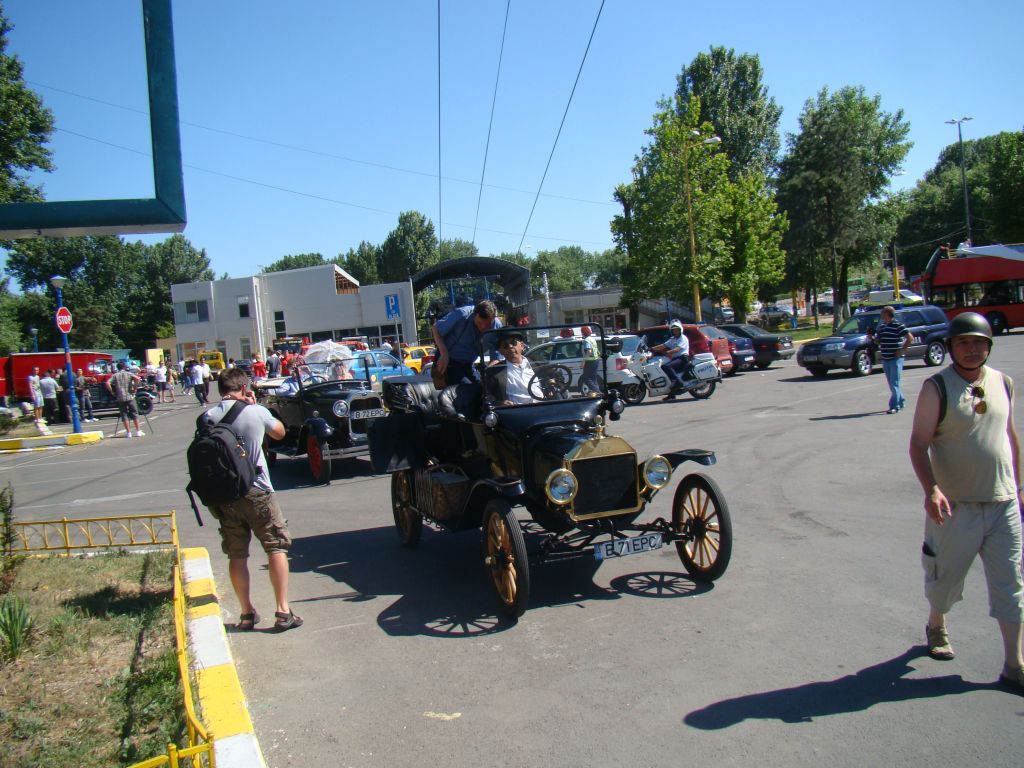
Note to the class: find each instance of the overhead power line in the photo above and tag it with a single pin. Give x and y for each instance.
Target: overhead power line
(560, 125)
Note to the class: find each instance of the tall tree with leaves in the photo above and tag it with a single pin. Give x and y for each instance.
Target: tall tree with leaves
(361, 262)
(736, 103)
(408, 248)
(25, 128)
(296, 261)
(836, 166)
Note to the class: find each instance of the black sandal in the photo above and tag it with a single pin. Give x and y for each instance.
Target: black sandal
(286, 621)
(247, 622)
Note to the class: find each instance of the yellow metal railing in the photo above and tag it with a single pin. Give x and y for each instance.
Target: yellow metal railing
(94, 533)
(48, 536)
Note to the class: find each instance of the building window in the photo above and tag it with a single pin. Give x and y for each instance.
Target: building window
(279, 326)
(191, 312)
(243, 306)
(246, 348)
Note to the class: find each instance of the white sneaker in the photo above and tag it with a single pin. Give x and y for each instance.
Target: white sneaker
(139, 433)
(128, 433)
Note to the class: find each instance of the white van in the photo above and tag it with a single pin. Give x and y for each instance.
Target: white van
(886, 296)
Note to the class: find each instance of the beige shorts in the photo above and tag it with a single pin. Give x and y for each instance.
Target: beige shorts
(990, 529)
(257, 513)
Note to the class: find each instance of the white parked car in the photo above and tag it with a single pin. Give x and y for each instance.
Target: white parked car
(569, 352)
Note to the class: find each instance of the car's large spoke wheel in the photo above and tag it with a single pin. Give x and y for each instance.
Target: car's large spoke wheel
(936, 353)
(701, 516)
(408, 522)
(704, 391)
(861, 363)
(319, 465)
(505, 558)
(634, 393)
(145, 405)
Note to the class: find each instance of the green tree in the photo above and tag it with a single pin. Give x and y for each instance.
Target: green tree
(297, 261)
(361, 262)
(458, 249)
(836, 166)
(679, 181)
(173, 261)
(408, 248)
(25, 128)
(1007, 188)
(736, 103)
(607, 268)
(12, 334)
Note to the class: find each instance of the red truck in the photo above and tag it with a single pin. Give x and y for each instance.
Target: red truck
(15, 370)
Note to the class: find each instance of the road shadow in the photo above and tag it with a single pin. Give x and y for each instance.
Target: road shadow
(843, 416)
(884, 682)
(442, 587)
(290, 473)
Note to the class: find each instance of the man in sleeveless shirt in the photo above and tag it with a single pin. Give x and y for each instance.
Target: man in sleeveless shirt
(966, 455)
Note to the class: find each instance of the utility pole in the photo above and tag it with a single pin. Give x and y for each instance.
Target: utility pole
(963, 173)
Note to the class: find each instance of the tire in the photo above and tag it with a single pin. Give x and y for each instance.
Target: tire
(818, 371)
(998, 322)
(145, 405)
(699, 511)
(319, 465)
(935, 353)
(704, 392)
(861, 363)
(505, 558)
(763, 364)
(408, 523)
(634, 394)
(271, 457)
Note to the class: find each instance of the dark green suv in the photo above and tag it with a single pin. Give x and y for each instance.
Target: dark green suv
(853, 348)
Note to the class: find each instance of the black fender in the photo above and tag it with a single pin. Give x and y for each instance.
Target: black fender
(699, 455)
(319, 427)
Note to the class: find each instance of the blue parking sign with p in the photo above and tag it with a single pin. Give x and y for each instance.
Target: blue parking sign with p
(391, 305)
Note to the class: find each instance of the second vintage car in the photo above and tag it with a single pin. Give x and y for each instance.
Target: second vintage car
(325, 412)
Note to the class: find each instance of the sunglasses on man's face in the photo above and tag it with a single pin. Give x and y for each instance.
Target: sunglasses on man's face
(977, 393)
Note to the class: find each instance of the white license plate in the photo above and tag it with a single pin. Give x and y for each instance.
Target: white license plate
(810, 358)
(645, 542)
(372, 413)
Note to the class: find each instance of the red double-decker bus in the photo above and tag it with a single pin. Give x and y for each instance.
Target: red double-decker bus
(987, 279)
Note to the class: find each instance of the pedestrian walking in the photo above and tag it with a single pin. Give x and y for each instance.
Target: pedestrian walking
(36, 391)
(48, 386)
(122, 386)
(82, 384)
(257, 513)
(160, 374)
(196, 375)
(966, 454)
(589, 378)
(893, 340)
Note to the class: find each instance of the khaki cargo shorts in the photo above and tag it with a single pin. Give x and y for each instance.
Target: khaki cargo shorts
(257, 513)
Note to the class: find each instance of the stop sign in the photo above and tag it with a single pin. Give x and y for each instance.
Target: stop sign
(64, 319)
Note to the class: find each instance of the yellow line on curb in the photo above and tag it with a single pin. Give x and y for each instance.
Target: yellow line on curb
(223, 703)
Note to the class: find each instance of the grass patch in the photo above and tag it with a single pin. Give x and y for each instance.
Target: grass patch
(9, 428)
(98, 682)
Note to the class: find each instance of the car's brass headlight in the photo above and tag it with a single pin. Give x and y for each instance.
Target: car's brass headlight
(657, 472)
(340, 408)
(561, 486)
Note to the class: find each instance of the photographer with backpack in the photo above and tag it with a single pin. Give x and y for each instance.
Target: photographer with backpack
(229, 473)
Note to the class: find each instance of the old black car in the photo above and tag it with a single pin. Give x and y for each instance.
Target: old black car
(461, 461)
(325, 413)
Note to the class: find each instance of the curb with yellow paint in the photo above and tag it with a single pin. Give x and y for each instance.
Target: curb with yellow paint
(49, 441)
(224, 709)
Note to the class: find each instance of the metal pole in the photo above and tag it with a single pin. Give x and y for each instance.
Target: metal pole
(76, 424)
(963, 177)
(693, 236)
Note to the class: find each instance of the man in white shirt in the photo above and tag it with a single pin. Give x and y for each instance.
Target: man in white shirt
(507, 383)
(677, 349)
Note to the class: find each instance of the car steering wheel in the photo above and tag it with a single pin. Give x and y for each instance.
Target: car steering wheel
(550, 383)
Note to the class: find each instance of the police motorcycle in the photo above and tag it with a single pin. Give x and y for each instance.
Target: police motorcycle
(700, 380)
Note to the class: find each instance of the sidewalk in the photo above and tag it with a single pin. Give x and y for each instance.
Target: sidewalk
(59, 435)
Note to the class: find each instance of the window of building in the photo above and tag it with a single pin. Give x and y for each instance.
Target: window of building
(191, 312)
(246, 348)
(243, 306)
(279, 326)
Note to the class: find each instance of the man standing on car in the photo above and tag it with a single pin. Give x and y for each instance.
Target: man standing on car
(122, 386)
(590, 355)
(257, 513)
(893, 340)
(966, 455)
(457, 336)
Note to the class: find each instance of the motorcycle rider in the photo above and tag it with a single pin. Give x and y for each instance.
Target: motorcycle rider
(677, 349)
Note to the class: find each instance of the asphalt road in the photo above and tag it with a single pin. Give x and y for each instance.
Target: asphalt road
(808, 651)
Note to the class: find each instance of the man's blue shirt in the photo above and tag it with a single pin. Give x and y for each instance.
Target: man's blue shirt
(461, 336)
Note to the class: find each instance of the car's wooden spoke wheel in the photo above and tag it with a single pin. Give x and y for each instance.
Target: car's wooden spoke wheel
(319, 465)
(408, 522)
(701, 516)
(505, 558)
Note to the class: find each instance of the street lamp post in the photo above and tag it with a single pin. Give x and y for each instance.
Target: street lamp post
(76, 424)
(963, 172)
(711, 140)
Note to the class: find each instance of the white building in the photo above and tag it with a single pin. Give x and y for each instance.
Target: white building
(242, 316)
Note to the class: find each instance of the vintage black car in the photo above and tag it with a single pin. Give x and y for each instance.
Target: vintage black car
(462, 461)
(325, 413)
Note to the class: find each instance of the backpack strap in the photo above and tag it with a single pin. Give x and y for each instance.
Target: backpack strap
(236, 408)
(940, 385)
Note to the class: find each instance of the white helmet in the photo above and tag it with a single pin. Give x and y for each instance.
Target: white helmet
(675, 324)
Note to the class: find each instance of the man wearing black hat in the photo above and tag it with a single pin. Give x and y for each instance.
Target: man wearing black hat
(507, 383)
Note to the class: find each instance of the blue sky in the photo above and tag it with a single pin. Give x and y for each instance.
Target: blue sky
(309, 125)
